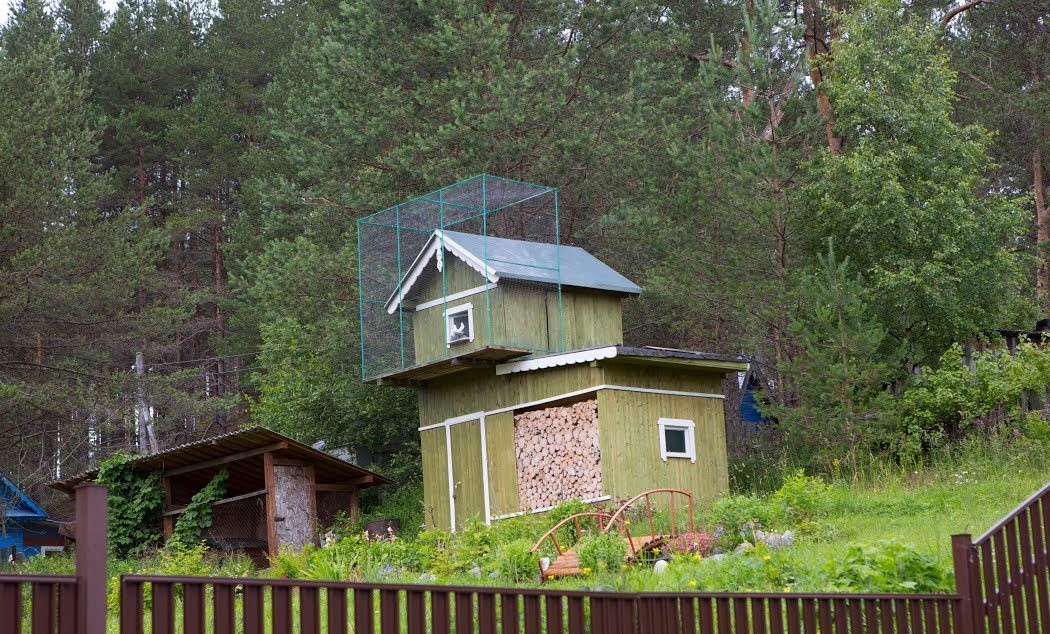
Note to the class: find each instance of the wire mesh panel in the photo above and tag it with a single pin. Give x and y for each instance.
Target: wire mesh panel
(470, 270)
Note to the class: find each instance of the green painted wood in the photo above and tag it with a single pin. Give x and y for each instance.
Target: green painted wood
(481, 390)
(466, 472)
(589, 318)
(428, 325)
(435, 477)
(503, 468)
(630, 443)
(682, 379)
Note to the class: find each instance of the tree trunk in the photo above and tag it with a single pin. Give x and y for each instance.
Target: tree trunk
(818, 36)
(1042, 223)
(219, 271)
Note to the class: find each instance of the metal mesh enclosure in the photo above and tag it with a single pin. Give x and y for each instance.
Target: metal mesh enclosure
(469, 268)
(332, 506)
(239, 525)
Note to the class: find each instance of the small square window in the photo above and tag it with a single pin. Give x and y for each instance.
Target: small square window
(459, 324)
(677, 439)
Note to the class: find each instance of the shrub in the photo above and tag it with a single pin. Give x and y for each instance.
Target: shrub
(515, 563)
(196, 517)
(886, 566)
(135, 504)
(739, 516)
(603, 552)
(801, 497)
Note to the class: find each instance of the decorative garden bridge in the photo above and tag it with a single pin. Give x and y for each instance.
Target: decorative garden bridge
(1002, 587)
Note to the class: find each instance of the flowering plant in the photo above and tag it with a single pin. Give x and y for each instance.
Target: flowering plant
(691, 544)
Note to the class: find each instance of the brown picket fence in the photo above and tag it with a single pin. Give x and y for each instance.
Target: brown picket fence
(1008, 571)
(196, 605)
(1002, 583)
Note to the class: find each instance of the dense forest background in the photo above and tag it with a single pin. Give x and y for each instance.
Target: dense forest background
(840, 189)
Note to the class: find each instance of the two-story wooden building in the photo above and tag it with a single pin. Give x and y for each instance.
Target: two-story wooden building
(509, 427)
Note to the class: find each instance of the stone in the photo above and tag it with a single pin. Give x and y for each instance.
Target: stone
(746, 546)
(660, 566)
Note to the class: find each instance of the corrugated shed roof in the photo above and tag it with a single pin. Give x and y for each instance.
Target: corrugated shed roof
(327, 468)
(600, 353)
(521, 260)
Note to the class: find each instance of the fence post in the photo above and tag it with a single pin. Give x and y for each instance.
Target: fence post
(91, 535)
(964, 558)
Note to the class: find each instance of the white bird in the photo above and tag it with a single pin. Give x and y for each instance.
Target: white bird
(459, 331)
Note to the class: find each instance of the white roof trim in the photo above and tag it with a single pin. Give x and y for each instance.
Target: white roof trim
(556, 360)
(430, 250)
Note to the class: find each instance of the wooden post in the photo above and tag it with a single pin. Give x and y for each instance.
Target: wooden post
(355, 505)
(271, 505)
(167, 520)
(91, 531)
(967, 615)
(312, 475)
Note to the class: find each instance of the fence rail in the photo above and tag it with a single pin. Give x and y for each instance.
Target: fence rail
(195, 605)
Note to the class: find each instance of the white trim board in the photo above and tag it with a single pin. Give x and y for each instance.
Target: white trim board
(454, 296)
(438, 241)
(624, 388)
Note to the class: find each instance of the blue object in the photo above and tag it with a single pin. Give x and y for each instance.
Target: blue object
(23, 524)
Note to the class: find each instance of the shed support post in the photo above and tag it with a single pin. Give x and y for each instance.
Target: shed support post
(271, 506)
(355, 505)
(91, 533)
(964, 557)
(167, 520)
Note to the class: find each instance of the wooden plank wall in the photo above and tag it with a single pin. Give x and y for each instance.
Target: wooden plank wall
(629, 433)
(482, 390)
(589, 318)
(503, 478)
(428, 325)
(435, 477)
(466, 472)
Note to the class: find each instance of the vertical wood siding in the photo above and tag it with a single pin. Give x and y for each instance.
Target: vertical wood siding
(466, 472)
(629, 435)
(435, 477)
(503, 475)
(589, 319)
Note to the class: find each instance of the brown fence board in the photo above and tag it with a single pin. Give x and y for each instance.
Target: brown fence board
(281, 609)
(193, 608)
(509, 613)
(389, 611)
(43, 608)
(163, 621)
(416, 611)
(337, 612)
(223, 608)
(364, 616)
(464, 604)
(309, 610)
(440, 615)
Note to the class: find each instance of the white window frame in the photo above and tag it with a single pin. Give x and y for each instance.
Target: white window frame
(689, 427)
(452, 312)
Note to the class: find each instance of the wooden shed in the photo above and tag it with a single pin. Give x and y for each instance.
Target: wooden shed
(25, 528)
(507, 430)
(279, 491)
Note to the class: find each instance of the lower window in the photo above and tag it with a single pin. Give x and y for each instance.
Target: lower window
(677, 439)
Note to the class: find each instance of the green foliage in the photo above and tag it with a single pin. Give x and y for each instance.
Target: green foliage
(955, 395)
(601, 553)
(135, 505)
(514, 562)
(196, 517)
(800, 498)
(737, 517)
(840, 377)
(909, 198)
(887, 566)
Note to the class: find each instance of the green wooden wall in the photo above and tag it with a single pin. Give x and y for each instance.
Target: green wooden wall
(466, 472)
(513, 315)
(629, 435)
(435, 477)
(627, 427)
(503, 466)
(481, 390)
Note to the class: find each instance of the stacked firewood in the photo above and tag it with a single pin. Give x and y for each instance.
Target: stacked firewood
(558, 454)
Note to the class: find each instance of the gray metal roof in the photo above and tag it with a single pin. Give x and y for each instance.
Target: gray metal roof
(544, 262)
